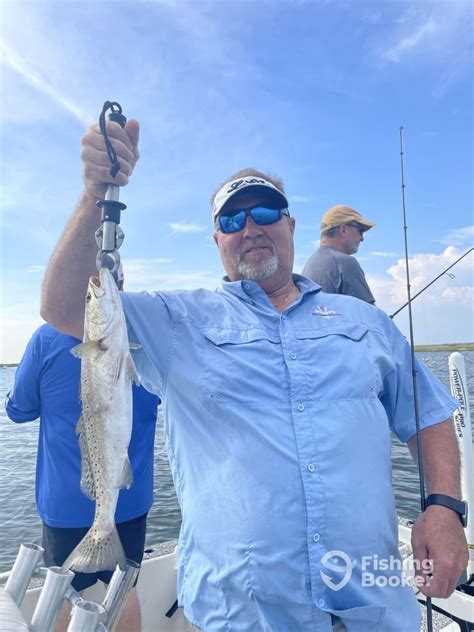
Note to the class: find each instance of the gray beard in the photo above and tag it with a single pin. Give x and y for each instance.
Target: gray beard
(259, 272)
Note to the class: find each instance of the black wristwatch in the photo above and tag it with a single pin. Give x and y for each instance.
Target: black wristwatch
(459, 506)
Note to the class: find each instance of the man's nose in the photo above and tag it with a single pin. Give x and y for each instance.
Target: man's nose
(251, 228)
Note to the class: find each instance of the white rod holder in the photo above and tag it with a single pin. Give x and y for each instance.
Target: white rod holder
(86, 617)
(23, 568)
(51, 598)
(116, 596)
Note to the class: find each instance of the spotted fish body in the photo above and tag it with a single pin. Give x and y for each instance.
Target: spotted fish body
(104, 429)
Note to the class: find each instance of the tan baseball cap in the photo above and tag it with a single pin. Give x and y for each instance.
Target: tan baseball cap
(338, 215)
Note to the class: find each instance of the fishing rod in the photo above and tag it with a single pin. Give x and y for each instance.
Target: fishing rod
(429, 612)
(433, 281)
(109, 236)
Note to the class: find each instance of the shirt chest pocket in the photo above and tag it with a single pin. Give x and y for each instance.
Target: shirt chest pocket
(337, 362)
(242, 366)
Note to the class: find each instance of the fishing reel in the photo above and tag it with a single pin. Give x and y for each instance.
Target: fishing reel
(109, 236)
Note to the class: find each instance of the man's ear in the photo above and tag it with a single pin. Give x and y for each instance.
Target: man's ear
(292, 224)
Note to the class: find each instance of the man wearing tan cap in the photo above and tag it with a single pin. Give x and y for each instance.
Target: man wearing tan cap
(332, 266)
(280, 399)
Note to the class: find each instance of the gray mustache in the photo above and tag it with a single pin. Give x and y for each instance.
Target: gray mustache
(257, 243)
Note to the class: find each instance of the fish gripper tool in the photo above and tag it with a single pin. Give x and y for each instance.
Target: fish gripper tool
(109, 236)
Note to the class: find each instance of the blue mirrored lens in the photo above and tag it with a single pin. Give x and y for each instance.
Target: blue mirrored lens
(260, 215)
(232, 223)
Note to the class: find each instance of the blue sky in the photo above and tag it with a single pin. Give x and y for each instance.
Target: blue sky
(312, 91)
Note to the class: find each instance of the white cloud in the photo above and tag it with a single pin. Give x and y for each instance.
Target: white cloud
(443, 313)
(459, 294)
(182, 227)
(461, 237)
(425, 267)
(409, 42)
(436, 36)
(383, 254)
(15, 62)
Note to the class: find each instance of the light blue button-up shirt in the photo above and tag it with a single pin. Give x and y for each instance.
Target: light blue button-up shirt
(278, 435)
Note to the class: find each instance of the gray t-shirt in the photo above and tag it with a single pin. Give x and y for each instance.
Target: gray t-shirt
(338, 273)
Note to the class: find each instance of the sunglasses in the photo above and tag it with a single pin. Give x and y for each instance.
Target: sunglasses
(233, 221)
(359, 228)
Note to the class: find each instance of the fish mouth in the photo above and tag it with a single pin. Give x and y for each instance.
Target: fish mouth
(96, 287)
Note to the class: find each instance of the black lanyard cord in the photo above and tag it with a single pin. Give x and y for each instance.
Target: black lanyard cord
(117, 116)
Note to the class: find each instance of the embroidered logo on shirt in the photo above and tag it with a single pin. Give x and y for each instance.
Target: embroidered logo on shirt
(325, 312)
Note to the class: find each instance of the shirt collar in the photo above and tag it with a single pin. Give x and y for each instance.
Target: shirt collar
(249, 290)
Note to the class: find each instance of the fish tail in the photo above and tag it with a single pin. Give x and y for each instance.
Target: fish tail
(99, 550)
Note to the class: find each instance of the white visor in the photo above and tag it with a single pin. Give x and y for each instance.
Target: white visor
(273, 195)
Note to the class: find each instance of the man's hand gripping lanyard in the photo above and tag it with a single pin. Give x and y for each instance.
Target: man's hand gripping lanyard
(109, 236)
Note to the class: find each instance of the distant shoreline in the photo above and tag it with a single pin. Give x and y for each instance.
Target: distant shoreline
(448, 346)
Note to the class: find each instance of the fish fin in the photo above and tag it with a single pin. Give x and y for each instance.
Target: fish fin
(87, 477)
(97, 551)
(132, 371)
(80, 425)
(86, 349)
(134, 346)
(119, 367)
(127, 475)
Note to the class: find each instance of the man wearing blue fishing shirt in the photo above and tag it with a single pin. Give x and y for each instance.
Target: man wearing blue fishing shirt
(47, 386)
(280, 400)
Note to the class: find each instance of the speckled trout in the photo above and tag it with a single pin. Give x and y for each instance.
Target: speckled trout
(105, 426)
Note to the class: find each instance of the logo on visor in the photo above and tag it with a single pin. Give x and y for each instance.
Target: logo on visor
(239, 183)
(325, 312)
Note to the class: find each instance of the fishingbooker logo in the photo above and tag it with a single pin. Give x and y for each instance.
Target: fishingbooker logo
(375, 571)
(325, 312)
(331, 561)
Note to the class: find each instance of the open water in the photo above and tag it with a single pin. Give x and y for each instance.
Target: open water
(19, 521)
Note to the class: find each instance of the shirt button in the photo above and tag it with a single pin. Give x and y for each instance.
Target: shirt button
(311, 467)
(321, 603)
(301, 407)
(247, 286)
(293, 356)
(316, 537)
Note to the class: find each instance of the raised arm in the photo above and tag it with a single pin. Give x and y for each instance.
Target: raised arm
(438, 535)
(73, 259)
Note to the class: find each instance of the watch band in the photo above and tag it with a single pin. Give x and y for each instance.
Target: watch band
(459, 506)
